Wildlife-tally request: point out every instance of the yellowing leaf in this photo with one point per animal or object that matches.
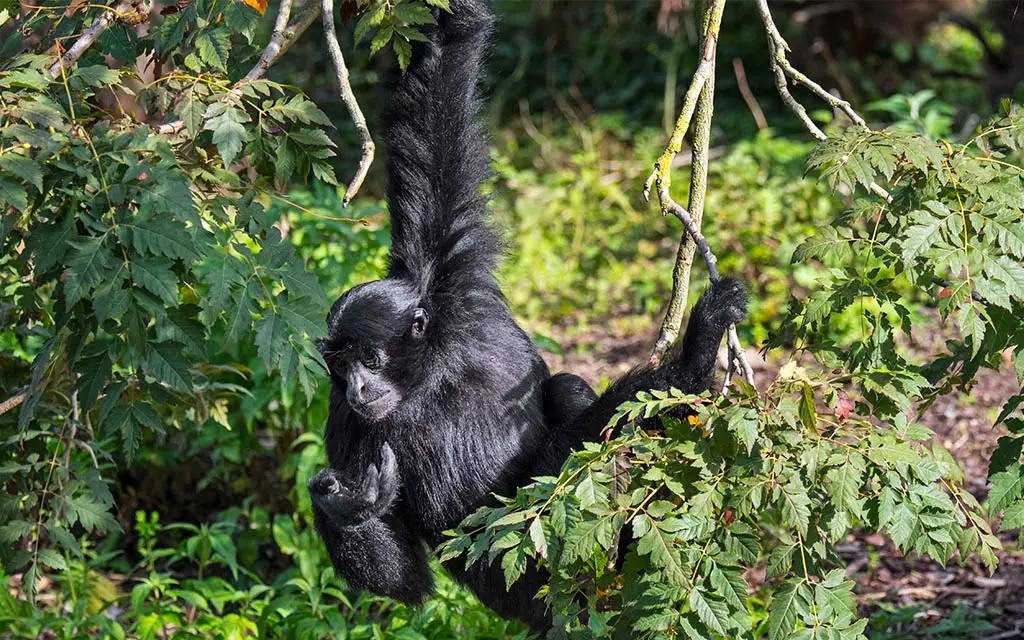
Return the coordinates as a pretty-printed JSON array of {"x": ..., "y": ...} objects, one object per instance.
[{"x": 259, "y": 5}]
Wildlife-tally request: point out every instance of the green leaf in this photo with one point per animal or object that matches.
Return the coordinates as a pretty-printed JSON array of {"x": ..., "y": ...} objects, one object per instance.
[
  {"x": 382, "y": 38},
  {"x": 305, "y": 316},
  {"x": 87, "y": 262},
  {"x": 39, "y": 113},
  {"x": 372, "y": 18},
  {"x": 181, "y": 325},
  {"x": 166, "y": 364},
  {"x": 228, "y": 134},
  {"x": 271, "y": 339},
  {"x": 52, "y": 559},
  {"x": 413, "y": 14},
  {"x": 12, "y": 194},
  {"x": 513, "y": 565},
  {"x": 711, "y": 612},
  {"x": 744, "y": 425},
  {"x": 22, "y": 167},
  {"x": 783, "y": 609},
  {"x": 213, "y": 45},
  {"x": 661, "y": 548},
  {"x": 155, "y": 275},
  {"x": 729, "y": 583},
  {"x": 90, "y": 513},
  {"x": 190, "y": 109},
  {"x": 96, "y": 75},
  {"x": 160, "y": 236},
  {"x": 796, "y": 505},
  {"x": 239, "y": 320},
  {"x": 404, "y": 52},
  {"x": 1007, "y": 486},
  {"x": 808, "y": 412}
]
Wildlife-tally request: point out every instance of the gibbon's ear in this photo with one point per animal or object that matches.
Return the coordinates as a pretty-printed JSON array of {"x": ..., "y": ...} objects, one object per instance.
[{"x": 419, "y": 322}]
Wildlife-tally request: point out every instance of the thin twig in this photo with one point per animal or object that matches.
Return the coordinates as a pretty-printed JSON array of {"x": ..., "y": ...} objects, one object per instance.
[
  {"x": 778, "y": 47},
  {"x": 748, "y": 95},
  {"x": 283, "y": 37},
  {"x": 349, "y": 99},
  {"x": 90, "y": 36},
  {"x": 783, "y": 69}
]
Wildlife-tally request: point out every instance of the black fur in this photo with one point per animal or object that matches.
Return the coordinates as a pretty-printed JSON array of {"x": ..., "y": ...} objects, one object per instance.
[{"x": 439, "y": 399}]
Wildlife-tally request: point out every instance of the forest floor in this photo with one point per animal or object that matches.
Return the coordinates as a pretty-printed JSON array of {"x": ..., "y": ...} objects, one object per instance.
[{"x": 907, "y": 598}]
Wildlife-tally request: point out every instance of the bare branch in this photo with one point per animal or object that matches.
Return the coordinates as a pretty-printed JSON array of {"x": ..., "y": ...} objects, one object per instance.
[
  {"x": 95, "y": 30},
  {"x": 783, "y": 69},
  {"x": 273, "y": 48},
  {"x": 13, "y": 402},
  {"x": 777, "y": 47},
  {"x": 282, "y": 38},
  {"x": 349, "y": 99},
  {"x": 698, "y": 104},
  {"x": 748, "y": 95}
]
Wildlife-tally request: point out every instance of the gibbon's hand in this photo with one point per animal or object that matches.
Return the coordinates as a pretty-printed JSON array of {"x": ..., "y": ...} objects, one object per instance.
[{"x": 349, "y": 504}]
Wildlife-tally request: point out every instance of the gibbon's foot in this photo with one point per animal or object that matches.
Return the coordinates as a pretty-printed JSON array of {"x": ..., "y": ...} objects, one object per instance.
[
  {"x": 724, "y": 303},
  {"x": 349, "y": 504}
]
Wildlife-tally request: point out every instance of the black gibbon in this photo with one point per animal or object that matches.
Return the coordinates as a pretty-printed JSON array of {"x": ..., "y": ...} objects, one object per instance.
[{"x": 438, "y": 398}]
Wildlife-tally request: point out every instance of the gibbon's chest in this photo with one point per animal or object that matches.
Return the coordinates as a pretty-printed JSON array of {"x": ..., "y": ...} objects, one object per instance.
[{"x": 449, "y": 466}]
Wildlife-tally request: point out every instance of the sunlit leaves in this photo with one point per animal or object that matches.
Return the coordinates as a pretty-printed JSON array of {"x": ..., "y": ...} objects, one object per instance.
[{"x": 144, "y": 255}]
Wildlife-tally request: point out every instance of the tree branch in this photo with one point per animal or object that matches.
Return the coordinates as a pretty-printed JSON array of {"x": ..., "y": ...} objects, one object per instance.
[
  {"x": 783, "y": 70},
  {"x": 350, "y": 101},
  {"x": 95, "y": 30},
  {"x": 282, "y": 38},
  {"x": 697, "y": 103}
]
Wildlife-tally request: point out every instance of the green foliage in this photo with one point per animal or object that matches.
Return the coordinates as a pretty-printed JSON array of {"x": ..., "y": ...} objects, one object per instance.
[
  {"x": 653, "y": 531},
  {"x": 748, "y": 479},
  {"x": 132, "y": 259},
  {"x": 245, "y": 598}
]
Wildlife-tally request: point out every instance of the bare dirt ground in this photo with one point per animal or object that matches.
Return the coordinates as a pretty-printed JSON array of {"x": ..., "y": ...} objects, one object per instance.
[{"x": 909, "y": 598}]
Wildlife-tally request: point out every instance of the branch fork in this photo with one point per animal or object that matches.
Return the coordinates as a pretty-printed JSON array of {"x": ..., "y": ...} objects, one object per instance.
[{"x": 698, "y": 103}]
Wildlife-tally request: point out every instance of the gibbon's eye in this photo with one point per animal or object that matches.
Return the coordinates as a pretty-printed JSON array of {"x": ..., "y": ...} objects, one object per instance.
[
  {"x": 372, "y": 361},
  {"x": 419, "y": 322}
]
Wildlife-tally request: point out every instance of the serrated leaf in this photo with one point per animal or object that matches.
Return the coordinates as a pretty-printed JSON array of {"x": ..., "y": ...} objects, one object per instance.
[
  {"x": 213, "y": 46},
  {"x": 370, "y": 19},
  {"x": 191, "y": 110},
  {"x": 166, "y": 364},
  {"x": 782, "y": 610},
  {"x": 22, "y": 167},
  {"x": 162, "y": 237},
  {"x": 661, "y": 548},
  {"x": 1007, "y": 487},
  {"x": 382, "y": 38},
  {"x": 711, "y": 612},
  {"x": 52, "y": 559},
  {"x": 86, "y": 264},
  {"x": 808, "y": 412},
  {"x": 403, "y": 50},
  {"x": 271, "y": 339},
  {"x": 729, "y": 584},
  {"x": 12, "y": 194},
  {"x": 155, "y": 275},
  {"x": 228, "y": 134},
  {"x": 91, "y": 514},
  {"x": 96, "y": 75}
]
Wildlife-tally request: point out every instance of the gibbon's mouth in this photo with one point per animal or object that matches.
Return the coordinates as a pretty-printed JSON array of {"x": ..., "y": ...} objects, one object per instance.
[{"x": 376, "y": 408}]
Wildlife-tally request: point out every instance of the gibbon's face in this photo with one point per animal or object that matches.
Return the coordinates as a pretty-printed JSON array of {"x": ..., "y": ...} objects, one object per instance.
[{"x": 372, "y": 334}]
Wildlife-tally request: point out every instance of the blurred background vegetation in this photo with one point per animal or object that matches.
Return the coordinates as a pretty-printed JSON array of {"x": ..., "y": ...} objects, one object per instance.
[{"x": 215, "y": 538}]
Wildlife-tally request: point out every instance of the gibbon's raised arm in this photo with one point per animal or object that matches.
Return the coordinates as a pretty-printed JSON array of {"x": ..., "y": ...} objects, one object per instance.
[{"x": 437, "y": 159}]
